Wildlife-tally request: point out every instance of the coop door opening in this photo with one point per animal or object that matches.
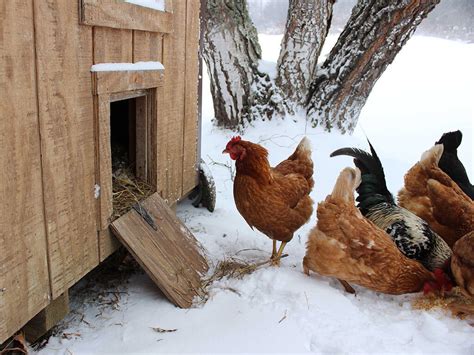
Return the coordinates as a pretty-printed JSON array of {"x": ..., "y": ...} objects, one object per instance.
[{"x": 129, "y": 139}]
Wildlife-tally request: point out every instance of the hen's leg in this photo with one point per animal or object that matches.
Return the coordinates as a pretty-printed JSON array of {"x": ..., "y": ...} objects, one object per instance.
[
  {"x": 274, "y": 248},
  {"x": 276, "y": 258},
  {"x": 347, "y": 287}
]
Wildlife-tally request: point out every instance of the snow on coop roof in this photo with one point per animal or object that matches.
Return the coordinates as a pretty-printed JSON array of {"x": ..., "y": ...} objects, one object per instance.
[{"x": 127, "y": 66}]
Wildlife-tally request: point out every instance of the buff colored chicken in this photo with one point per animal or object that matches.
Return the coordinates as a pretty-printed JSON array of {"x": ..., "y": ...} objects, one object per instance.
[
  {"x": 434, "y": 197},
  {"x": 347, "y": 246},
  {"x": 462, "y": 263}
]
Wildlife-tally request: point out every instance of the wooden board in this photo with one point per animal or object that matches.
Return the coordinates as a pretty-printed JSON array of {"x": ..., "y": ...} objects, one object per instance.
[
  {"x": 190, "y": 141},
  {"x": 107, "y": 243},
  {"x": 119, "y": 14},
  {"x": 108, "y": 82},
  {"x": 165, "y": 248},
  {"x": 103, "y": 161},
  {"x": 47, "y": 318},
  {"x": 147, "y": 46},
  {"x": 64, "y": 57},
  {"x": 171, "y": 126},
  {"x": 24, "y": 283},
  {"x": 113, "y": 45}
]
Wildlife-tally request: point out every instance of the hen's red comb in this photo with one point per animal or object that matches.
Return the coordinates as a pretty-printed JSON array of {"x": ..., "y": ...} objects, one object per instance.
[{"x": 236, "y": 139}]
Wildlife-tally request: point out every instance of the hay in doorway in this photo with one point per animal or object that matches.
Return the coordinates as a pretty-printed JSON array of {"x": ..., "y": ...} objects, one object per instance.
[{"x": 127, "y": 191}]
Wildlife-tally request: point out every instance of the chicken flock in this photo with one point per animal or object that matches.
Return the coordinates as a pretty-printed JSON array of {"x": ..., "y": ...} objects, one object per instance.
[{"x": 425, "y": 242}]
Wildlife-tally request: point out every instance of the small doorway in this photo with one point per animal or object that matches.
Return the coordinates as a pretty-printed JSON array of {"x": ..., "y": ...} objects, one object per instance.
[{"x": 129, "y": 146}]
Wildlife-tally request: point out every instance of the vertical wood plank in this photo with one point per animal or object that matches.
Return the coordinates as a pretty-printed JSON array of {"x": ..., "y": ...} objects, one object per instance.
[
  {"x": 171, "y": 126},
  {"x": 24, "y": 282},
  {"x": 105, "y": 160},
  {"x": 141, "y": 143},
  {"x": 64, "y": 58},
  {"x": 112, "y": 45},
  {"x": 147, "y": 46},
  {"x": 108, "y": 243},
  {"x": 190, "y": 141}
]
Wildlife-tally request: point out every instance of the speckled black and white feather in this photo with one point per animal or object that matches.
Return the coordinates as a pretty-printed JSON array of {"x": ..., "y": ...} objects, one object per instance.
[{"x": 411, "y": 234}]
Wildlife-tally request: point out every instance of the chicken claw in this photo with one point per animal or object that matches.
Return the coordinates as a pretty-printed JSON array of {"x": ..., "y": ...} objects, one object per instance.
[{"x": 275, "y": 259}]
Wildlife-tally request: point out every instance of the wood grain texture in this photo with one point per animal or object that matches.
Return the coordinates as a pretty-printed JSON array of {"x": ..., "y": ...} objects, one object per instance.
[
  {"x": 171, "y": 126},
  {"x": 24, "y": 283},
  {"x": 141, "y": 137},
  {"x": 108, "y": 243},
  {"x": 113, "y": 45},
  {"x": 170, "y": 254},
  {"x": 147, "y": 46},
  {"x": 118, "y": 14},
  {"x": 47, "y": 318},
  {"x": 190, "y": 141},
  {"x": 108, "y": 82},
  {"x": 104, "y": 162},
  {"x": 64, "y": 58}
]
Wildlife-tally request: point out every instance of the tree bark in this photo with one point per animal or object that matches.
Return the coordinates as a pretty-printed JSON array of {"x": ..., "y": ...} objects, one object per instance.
[
  {"x": 306, "y": 29},
  {"x": 373, "y": 36},
  {"x": 231, "y": 52}
]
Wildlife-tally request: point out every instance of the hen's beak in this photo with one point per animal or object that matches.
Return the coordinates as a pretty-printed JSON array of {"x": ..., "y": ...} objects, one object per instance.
[{"x": 225, "y": 151}]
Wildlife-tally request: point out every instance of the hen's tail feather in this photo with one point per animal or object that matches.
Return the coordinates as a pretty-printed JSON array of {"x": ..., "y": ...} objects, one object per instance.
[
  {"x": 373, "y": 188},
  {"x": 303, "y": 150},
  {"x": 347, "y": 182},
  {"x": 450, "y": 163},
  {"x": 451, "y": 141},
  {"x": 299, "y": 162}
]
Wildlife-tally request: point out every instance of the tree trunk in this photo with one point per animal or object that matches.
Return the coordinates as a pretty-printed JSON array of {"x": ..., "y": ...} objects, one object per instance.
[
  {"x": 373, "y": 36},
  {"x": 306, "y": 29},
  {"x": 231, "y": 52}
]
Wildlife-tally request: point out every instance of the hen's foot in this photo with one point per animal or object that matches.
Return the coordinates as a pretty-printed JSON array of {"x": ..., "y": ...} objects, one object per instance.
[{"x": 275, "y": 259}]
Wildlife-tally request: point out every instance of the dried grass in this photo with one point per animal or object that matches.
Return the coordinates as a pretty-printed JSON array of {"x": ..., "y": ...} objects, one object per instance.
[
  {"x": 235, "y": 268},
  {"x": 127, "y": 191},
  {"x": 456, "y": 302}
]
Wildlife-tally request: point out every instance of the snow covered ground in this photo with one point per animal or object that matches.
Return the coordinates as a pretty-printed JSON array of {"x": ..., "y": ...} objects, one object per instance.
[{"x": 427, "y": 90}]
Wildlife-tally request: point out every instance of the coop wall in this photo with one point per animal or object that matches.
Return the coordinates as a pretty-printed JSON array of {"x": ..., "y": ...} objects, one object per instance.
[{"x": 49, "y": 236}]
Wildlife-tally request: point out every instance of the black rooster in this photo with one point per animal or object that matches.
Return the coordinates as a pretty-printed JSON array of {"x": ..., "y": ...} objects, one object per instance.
[
  {"x": 411, "y": 234},
  {"x": 451, "y": 164}
]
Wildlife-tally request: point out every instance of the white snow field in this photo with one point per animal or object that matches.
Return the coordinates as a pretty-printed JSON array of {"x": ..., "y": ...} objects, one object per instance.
[{"x": 428, "y": 90}]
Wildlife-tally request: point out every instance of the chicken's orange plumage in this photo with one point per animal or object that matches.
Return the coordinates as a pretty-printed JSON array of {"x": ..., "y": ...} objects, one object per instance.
[
  {"x": 433, "y": 196},
  {"x": 346, "y": 245},
  {"x": 274, "y": 200},
  {"x": 462, "y": 263}
]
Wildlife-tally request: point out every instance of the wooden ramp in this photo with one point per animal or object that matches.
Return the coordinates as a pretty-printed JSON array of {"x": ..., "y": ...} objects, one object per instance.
[{"x": 164, "y": 247}]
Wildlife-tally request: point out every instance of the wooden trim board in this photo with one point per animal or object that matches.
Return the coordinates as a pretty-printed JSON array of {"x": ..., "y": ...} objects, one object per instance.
[
  {"x": 109, "y": 82},
  {"x": 165, "y": 248},
  {"x": 119, "y": 14}
]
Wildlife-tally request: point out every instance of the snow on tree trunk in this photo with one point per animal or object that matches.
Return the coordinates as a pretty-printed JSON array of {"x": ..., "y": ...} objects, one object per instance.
[
  {"x": 306, "y": 29},
  {"x": 373, "y": 36},
  {"x": 231, "y": 51}
]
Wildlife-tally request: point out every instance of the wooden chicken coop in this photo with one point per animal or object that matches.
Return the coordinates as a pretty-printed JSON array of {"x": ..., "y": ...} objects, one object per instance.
[{"x": 60, "y": 120}]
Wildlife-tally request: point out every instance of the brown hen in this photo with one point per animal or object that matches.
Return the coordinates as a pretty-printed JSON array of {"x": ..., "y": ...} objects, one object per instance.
[
  {"x": 347, "y": 246},
  {"x": 462, "y": 263},
  {"x": 274, "y": 200},
  {"x": 433, "y": 196}
]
